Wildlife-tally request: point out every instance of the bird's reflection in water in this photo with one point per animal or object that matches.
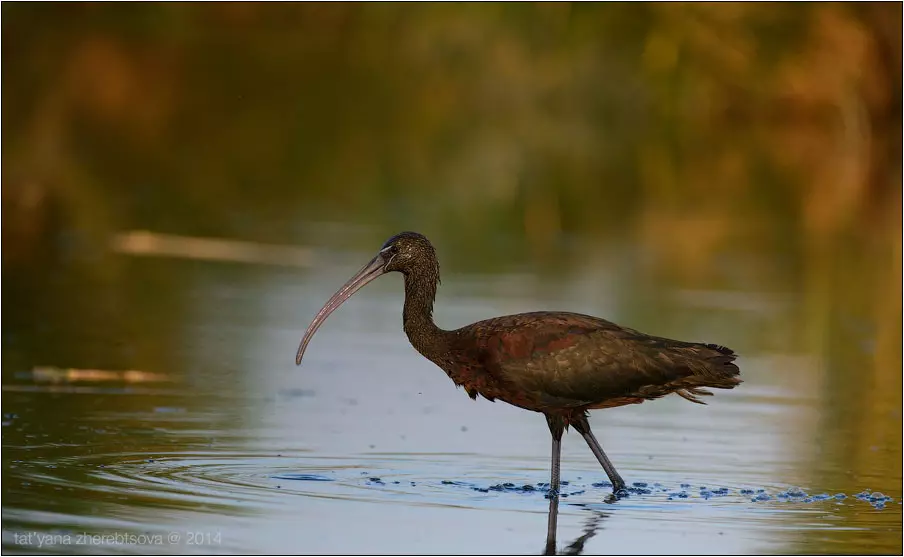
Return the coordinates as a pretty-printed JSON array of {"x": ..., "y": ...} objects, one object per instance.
[{"x": 593, "y": 525}]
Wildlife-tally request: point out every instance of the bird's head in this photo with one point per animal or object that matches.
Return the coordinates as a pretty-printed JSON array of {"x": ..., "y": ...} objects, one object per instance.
[{"x": 406, "y": 252}]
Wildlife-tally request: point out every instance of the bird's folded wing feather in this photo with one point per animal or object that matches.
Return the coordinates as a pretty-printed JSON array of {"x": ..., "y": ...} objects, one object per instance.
[{"x": 572, "y": 359}]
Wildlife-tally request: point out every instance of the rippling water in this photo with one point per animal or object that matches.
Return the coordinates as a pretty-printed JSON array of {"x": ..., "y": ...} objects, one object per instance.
[{"x": 220, "y": 444}]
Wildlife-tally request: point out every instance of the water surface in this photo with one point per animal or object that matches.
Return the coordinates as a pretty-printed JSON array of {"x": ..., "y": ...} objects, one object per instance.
[{"x": 173, "y": 410}]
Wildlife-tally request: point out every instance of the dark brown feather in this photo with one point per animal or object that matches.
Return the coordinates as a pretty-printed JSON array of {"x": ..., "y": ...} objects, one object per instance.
[{"x": 549, "y": 361}]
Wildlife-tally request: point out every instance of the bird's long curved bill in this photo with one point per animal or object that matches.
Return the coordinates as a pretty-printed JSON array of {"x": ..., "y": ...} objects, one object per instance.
[{"x": 368, "y": 273}]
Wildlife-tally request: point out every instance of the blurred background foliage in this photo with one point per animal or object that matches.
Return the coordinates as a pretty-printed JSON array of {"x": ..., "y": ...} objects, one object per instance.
[{"x": 546, "y": 119}]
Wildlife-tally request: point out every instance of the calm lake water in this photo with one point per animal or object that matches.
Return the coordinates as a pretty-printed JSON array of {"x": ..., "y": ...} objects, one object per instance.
[{"x": 215, "y": 442}]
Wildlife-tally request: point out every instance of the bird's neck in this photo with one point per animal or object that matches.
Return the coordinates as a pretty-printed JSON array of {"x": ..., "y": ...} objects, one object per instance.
[{"x": 417, "y": 316}]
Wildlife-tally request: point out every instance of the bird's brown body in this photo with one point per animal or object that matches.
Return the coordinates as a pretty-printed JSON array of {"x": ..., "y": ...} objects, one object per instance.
[
  {"x": 567, "y": 363},
  {"x": 557, "y": 363}
]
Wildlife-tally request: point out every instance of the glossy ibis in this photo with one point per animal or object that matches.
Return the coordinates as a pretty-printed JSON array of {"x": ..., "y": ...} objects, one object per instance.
[{"x": 557, "y": 363}]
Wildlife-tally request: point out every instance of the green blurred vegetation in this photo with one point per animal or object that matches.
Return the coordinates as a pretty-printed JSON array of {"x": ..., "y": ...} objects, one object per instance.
[
  {"x": 541, "y": 118},
  {"x": 750, "y": 146}
]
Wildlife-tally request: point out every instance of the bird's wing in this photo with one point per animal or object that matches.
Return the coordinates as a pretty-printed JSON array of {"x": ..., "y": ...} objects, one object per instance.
[{"x": 574, "y": 360}]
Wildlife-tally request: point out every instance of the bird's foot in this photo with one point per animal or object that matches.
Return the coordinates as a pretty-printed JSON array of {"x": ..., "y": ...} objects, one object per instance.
[{"x": 619, "y": 491}]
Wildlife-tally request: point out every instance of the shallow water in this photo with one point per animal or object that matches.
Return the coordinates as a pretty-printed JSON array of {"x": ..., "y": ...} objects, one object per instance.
[{"x": 220, "y": 444}]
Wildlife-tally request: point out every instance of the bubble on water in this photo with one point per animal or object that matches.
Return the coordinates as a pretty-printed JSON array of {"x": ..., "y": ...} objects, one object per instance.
[
  {"x": 863, "y": 495},
  {"x": 509, "y": 487}
]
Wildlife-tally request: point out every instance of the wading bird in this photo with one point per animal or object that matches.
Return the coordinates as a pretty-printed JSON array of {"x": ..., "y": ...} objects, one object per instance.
[{"x": 557, "y": 363}]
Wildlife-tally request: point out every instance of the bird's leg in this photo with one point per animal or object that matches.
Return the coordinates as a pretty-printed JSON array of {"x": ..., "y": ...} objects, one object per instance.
[
  {"x": 582, "y": 426},
  {"x": 556, "y": 428}
]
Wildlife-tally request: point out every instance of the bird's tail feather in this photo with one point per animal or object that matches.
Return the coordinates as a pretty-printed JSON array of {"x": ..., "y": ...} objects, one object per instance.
[{"x": 692, "y": 393}]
